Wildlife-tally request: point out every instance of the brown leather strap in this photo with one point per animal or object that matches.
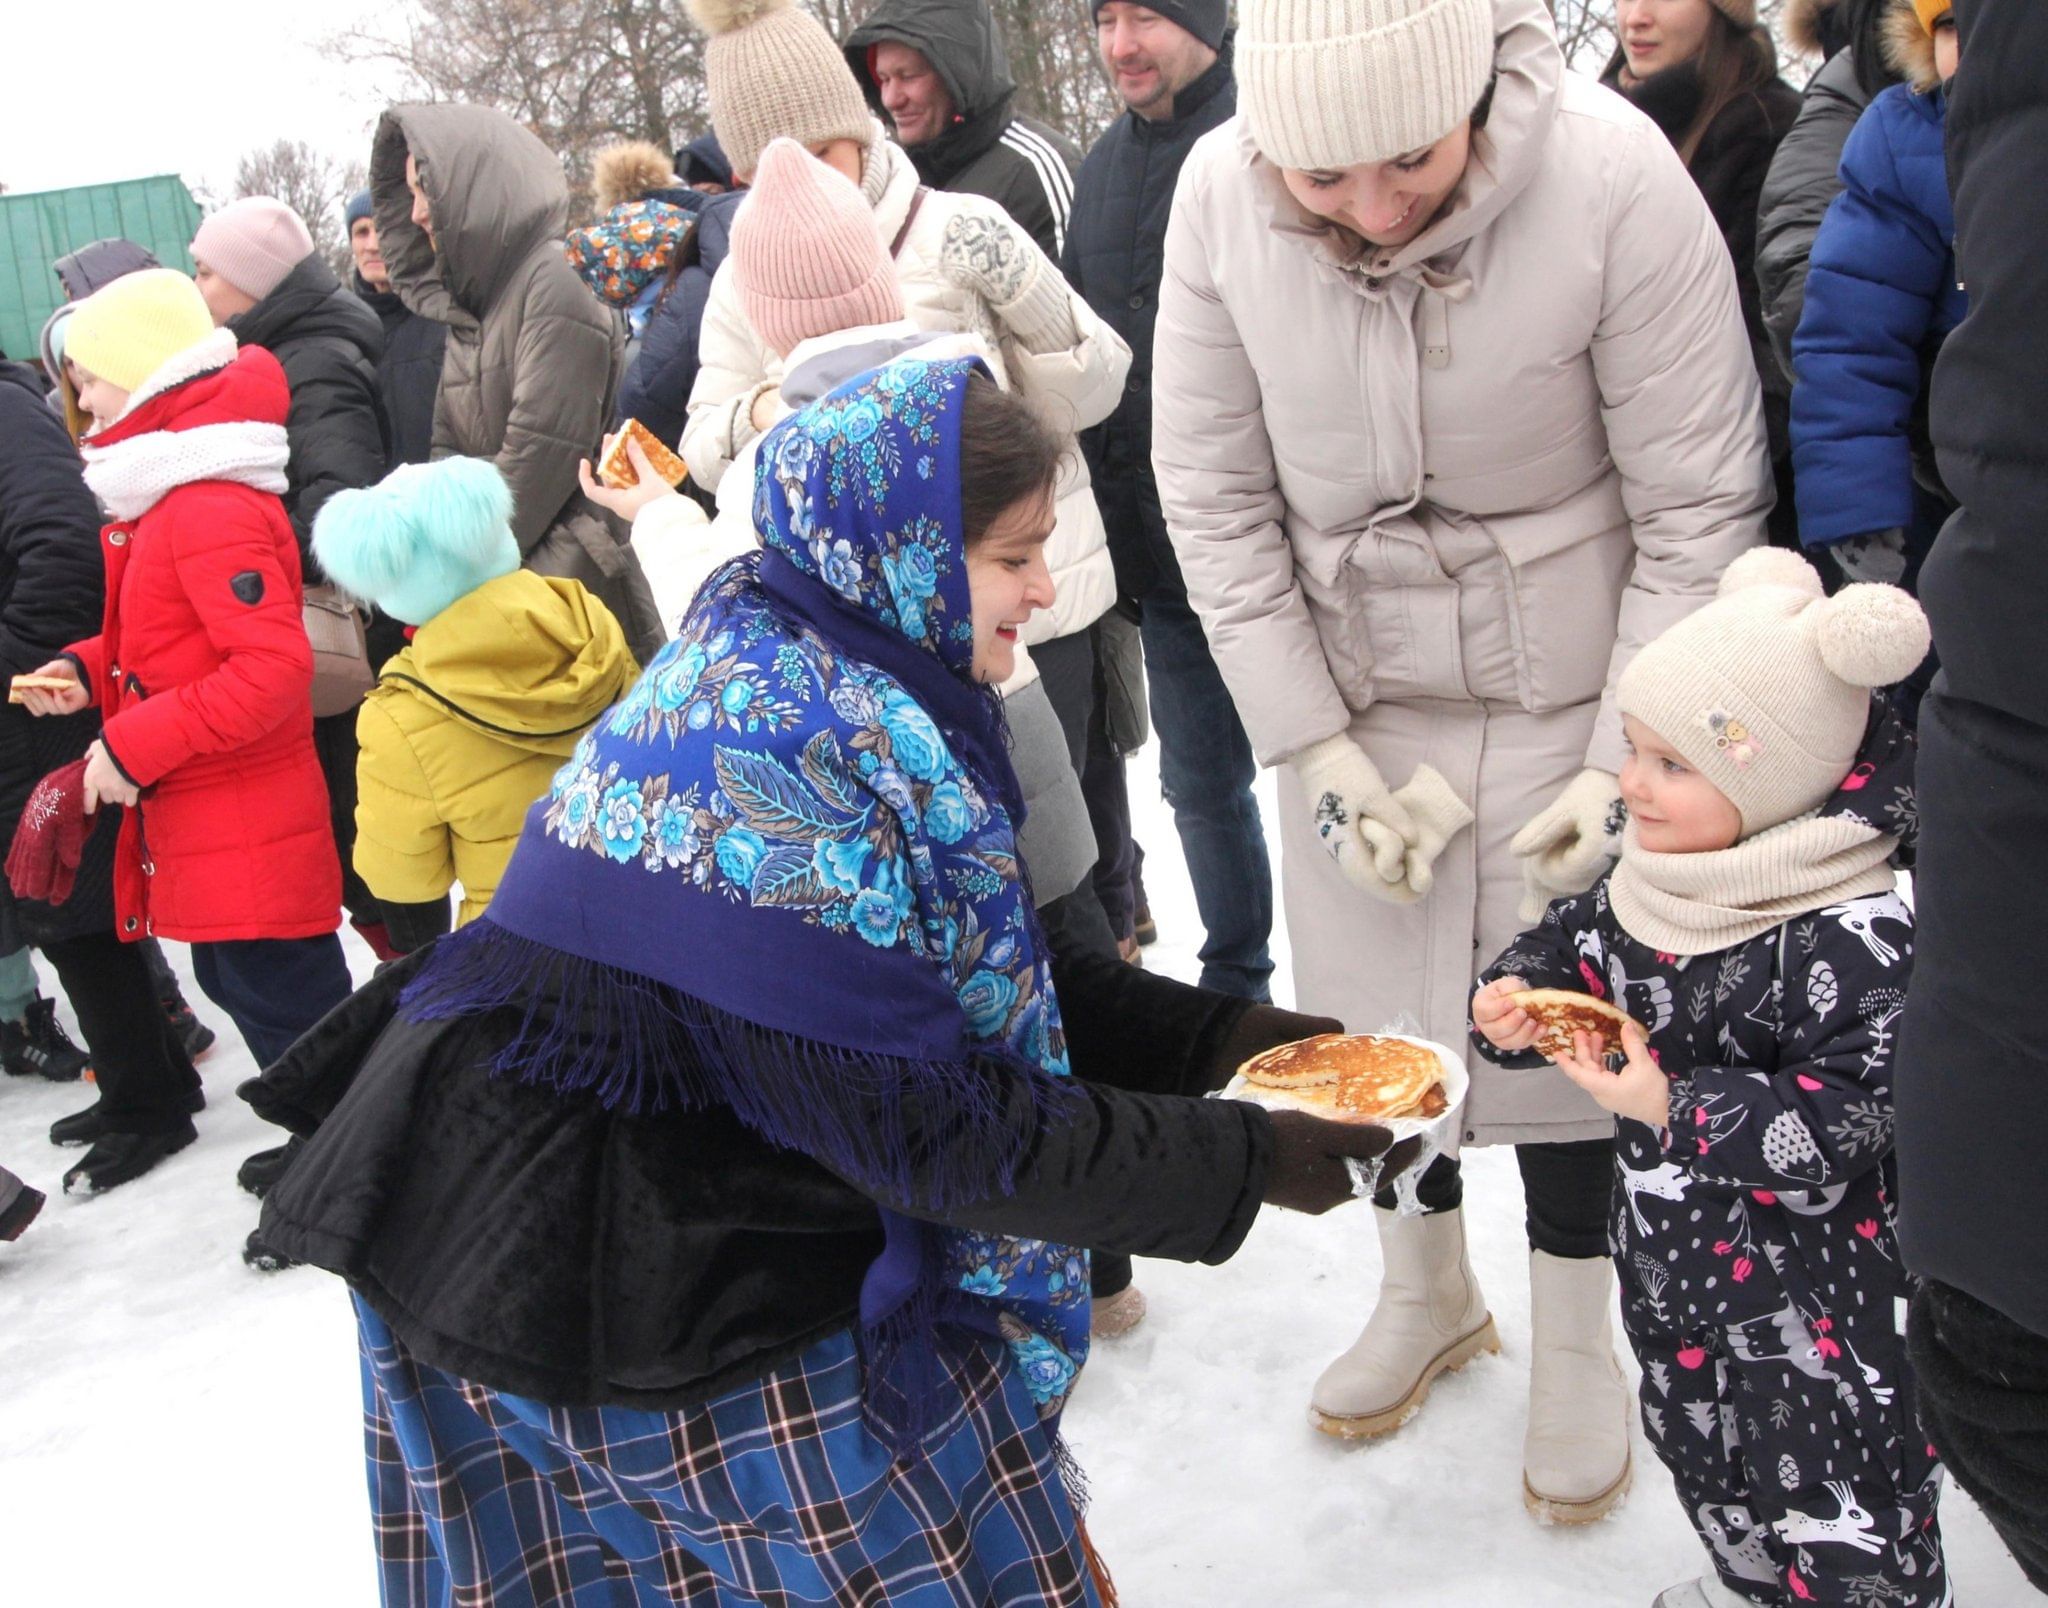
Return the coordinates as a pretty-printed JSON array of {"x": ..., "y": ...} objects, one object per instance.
[{"x": 909, "y": 218}]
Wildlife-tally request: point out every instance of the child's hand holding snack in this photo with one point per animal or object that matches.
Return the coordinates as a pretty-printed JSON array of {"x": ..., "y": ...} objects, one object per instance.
[{"x": 1639, "y": 1091}]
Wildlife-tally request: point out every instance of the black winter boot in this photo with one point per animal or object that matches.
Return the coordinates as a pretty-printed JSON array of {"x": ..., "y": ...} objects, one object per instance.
[
  {"x": 263, "y": 1169},
  {"x": 19, "y": 1204},
  {"x": 83, "y": 1127},
  {"x": 38, "y": 1046},
  {"x": 119, "y": 1158},
  {"x": 193, "y": 1035},
  {"x": 262, "y": 1256}
]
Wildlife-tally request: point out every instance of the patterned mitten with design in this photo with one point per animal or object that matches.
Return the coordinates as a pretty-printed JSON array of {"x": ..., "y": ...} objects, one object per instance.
[
  {"x": 1569, "y": 845},
  {"x": 1365, "y": 828},
  {"x": 1439, "y": 815},
  {"x": 990, "y": 257},
  {"x": 1879, "y": 556},
  {"x": 49, "y": 842}
]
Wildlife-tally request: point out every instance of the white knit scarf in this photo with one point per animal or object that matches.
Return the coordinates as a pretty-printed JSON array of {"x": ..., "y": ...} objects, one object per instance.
[
  {"x": 1697, "y": 904},
  {"x": 131, "y": 477}
]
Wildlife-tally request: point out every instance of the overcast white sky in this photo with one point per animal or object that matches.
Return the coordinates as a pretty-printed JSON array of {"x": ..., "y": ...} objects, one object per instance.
[{"x": 164, "y": 87}]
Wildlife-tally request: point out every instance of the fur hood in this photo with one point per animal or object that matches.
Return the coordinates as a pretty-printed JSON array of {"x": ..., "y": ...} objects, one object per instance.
[
  {"x": 1802, "y": 19},
  {"x": 1910, "y": 48},
  {"x": 626, "y": 172}
]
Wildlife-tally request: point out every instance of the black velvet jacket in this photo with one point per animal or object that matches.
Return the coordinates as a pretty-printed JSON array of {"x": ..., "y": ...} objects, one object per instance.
[{"x": 545, "y": 1246}]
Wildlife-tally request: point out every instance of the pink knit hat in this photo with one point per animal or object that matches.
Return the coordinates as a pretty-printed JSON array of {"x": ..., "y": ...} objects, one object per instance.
[
  {"x": 252, "y": 244},
  {"x": 806, "y": 255}
]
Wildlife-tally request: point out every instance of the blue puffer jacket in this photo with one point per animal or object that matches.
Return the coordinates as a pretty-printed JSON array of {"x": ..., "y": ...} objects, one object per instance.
[
  {"x": 656, "y": 389},
  {"x": 1881, "y": 296}
]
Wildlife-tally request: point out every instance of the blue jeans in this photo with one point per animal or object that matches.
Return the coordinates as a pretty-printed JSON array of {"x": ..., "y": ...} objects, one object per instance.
[{"x": 1206, "y": 769}]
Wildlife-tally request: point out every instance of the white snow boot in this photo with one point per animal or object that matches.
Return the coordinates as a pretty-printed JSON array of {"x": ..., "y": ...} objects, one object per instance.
[
  {"x": 1430, "y": 1318},
  {"x": 1576, "y": 1463},
  {"x": 1709, "y": 1591}
]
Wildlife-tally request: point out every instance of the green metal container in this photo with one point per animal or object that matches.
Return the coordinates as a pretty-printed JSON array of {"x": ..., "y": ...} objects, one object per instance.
[{"x": 39, "y": 227}]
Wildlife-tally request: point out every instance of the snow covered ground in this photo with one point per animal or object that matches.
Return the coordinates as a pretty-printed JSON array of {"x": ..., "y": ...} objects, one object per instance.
[{"x": 177, "y": 1430}]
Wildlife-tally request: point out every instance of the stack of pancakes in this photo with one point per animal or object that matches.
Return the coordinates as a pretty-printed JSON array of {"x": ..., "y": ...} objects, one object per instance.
[{"x": 1354, "y": 1077}]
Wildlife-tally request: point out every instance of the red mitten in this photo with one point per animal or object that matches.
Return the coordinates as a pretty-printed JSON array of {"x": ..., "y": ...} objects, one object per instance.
[{"x": 50, "y": 841}]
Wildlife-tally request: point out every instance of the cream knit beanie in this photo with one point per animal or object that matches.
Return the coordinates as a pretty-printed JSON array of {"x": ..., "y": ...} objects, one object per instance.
[
  {"x": 806, "y": 257},
  {"x": 773, "y": 72},
  {"x": 1333, "y": 83},
  {"x": 252, "y": 244},
  {"x": 1766, "y": 690},
  {"x": 129, "y": 328}
]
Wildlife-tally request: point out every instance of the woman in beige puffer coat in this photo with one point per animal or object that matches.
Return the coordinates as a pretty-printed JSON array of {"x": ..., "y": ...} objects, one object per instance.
[{"x": 1431, "y": 491}]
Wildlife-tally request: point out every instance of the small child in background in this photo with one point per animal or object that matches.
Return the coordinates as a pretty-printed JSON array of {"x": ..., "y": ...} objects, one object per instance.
[
  {"x": 202, "y": 673},
  {"x": 1881, "y": 297},
  {"x": 816, "y": 282},
  {"x": 646, "y": 213},
  {"x": 1753, "y": 927},
  {"x": 467, "y": 725}
]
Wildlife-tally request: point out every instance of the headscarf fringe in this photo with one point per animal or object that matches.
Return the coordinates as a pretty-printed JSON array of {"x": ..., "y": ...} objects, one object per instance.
[{"x": 918, "y": 1134}]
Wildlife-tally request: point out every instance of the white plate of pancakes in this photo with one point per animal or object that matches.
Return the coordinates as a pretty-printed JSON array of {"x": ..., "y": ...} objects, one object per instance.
[{"x": 1409, "y": 1085}]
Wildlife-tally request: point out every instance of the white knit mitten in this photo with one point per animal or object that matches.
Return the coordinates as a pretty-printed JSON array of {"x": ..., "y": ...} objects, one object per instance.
[
  {"x": 1367, "y": 831},
  {"x": 1439, "y": 815},
  {"x": 1570, "y": 844},
  {"x": 1000, "y": 263}
]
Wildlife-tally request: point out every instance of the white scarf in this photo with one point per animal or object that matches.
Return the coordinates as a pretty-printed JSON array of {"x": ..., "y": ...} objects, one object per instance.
[
  {"x": 131, "y": 477},
  {"x": 1697, "y": 904}
]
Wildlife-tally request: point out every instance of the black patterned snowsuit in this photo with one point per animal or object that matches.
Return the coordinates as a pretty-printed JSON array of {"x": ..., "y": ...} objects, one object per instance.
[{"x": 1760, "y": 1279}]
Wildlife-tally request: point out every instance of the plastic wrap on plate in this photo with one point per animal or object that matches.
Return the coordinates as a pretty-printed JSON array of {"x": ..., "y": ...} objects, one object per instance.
[{"x": 1435, "y": 1132}]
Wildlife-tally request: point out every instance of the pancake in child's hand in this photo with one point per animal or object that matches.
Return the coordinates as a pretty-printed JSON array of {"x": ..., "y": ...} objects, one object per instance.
[
  {"x": 21, "y": 685},
  {"x": 616, "y": 468},
  {"x": 1354, "y": 1077},
  {"x": 1559, "y": 1013}
]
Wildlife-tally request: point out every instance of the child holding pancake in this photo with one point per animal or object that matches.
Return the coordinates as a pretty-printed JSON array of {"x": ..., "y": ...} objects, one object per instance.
[{"x": 1753, "y": 931}]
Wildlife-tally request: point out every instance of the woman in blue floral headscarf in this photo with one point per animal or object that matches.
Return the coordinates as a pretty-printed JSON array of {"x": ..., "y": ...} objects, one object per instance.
[{"x": 711, "y": 1203}]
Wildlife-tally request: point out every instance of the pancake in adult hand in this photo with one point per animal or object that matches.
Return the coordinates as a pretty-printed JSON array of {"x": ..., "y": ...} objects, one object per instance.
[
  {"x": 1559, "y": 1013},
  {"x": 1354, "y": 1077}
]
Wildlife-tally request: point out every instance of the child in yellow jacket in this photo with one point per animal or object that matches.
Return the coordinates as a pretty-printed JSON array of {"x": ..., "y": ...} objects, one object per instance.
[{"x": 467, "y": 725}]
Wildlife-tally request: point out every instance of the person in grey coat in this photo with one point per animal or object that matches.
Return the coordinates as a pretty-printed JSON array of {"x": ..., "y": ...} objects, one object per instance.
[
  {"x": 470, "y": 211},
  {"x": 1804, "y": 176}
]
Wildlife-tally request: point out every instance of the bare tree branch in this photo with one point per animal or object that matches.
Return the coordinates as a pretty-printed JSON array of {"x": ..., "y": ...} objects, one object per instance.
[{"x": 313, "y": 185}]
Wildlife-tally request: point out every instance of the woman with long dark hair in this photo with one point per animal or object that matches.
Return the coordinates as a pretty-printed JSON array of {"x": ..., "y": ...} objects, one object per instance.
[
  {"x": 709, "y": 1200},
  {"x": 1707, "y": 75}
]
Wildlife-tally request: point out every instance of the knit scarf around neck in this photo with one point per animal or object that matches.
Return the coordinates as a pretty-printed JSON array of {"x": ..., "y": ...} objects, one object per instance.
[{"x": 1697, "y": 904}]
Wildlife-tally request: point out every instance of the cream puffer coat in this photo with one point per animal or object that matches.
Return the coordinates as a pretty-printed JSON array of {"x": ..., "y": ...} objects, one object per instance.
[
  {"x": 1438, "y": 497},
  {"x": 1075, "y": 388}
]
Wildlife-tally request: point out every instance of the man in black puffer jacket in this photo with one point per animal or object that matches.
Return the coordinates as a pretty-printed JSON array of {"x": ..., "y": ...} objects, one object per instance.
[
  {"x": 263, "y": 280},
  {"x": 937, "y": 72},
  {"x": 409, "y": 373},
  {"x": 1171, "y": 63},
  {"x": 1973, "y": 1078}
]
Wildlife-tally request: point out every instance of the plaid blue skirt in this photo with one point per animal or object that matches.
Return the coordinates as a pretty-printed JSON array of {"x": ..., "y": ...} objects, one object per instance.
[{"x": 775, "y": 1494}]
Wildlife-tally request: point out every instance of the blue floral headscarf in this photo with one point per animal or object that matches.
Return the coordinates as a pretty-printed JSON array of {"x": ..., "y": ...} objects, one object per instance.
[{"x": 782, "y": 875}]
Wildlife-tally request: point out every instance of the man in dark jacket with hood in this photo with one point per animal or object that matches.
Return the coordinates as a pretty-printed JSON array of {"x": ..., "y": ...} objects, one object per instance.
[
  {"x": 937, "y": 72},
  {"x": 262, "y": 279},
  {"x": 1171, "y": 65},
  {"x": 471, "y": 210},
  {"x": 409, "y": 374},
  {"x": 1973, "y": 1074}
]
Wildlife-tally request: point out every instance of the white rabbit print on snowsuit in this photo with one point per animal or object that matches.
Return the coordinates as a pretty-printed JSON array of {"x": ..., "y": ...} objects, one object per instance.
[{"x": 1760, "y": 1276}]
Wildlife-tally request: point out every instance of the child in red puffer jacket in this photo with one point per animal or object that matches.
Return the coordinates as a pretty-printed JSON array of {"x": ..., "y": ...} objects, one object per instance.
[{"x": 202, "y": 668}]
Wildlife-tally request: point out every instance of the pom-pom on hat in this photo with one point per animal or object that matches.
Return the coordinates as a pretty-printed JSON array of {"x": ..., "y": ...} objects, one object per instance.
[
  {"x": 1766, "y": 690},
  {"x": 772, "y": 72},
  {"x": 1329, "y": 84},
  {"x": 253, "y": 243},
  {"x": 423, "y": 536},
  {"x": 128, "y": 329},
  {"x": 806, "y": 257}
]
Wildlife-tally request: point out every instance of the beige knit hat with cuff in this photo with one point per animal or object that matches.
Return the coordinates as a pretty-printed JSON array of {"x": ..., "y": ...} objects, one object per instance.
[
  {"x": 773, "y": 72},
  {"x": 1329, "y": 84},
  {"x": 1766, "y": 690}
]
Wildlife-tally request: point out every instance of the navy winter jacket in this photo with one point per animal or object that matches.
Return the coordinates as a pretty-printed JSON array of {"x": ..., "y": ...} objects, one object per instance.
[
  {"x": 1881, "y": 296},
  {"x": 656, "y": 389}
]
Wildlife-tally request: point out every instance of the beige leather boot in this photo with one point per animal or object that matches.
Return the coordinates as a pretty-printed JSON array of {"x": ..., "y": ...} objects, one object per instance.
[
  {"x": 1576, "y": 1464},
  {"x": 1430, "y": 1318}
]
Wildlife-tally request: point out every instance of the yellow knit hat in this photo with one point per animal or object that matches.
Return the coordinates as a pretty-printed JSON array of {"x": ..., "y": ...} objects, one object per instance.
[
  {"x": 127, "y": 330},
  {"x": 1932, "y": 11}
]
